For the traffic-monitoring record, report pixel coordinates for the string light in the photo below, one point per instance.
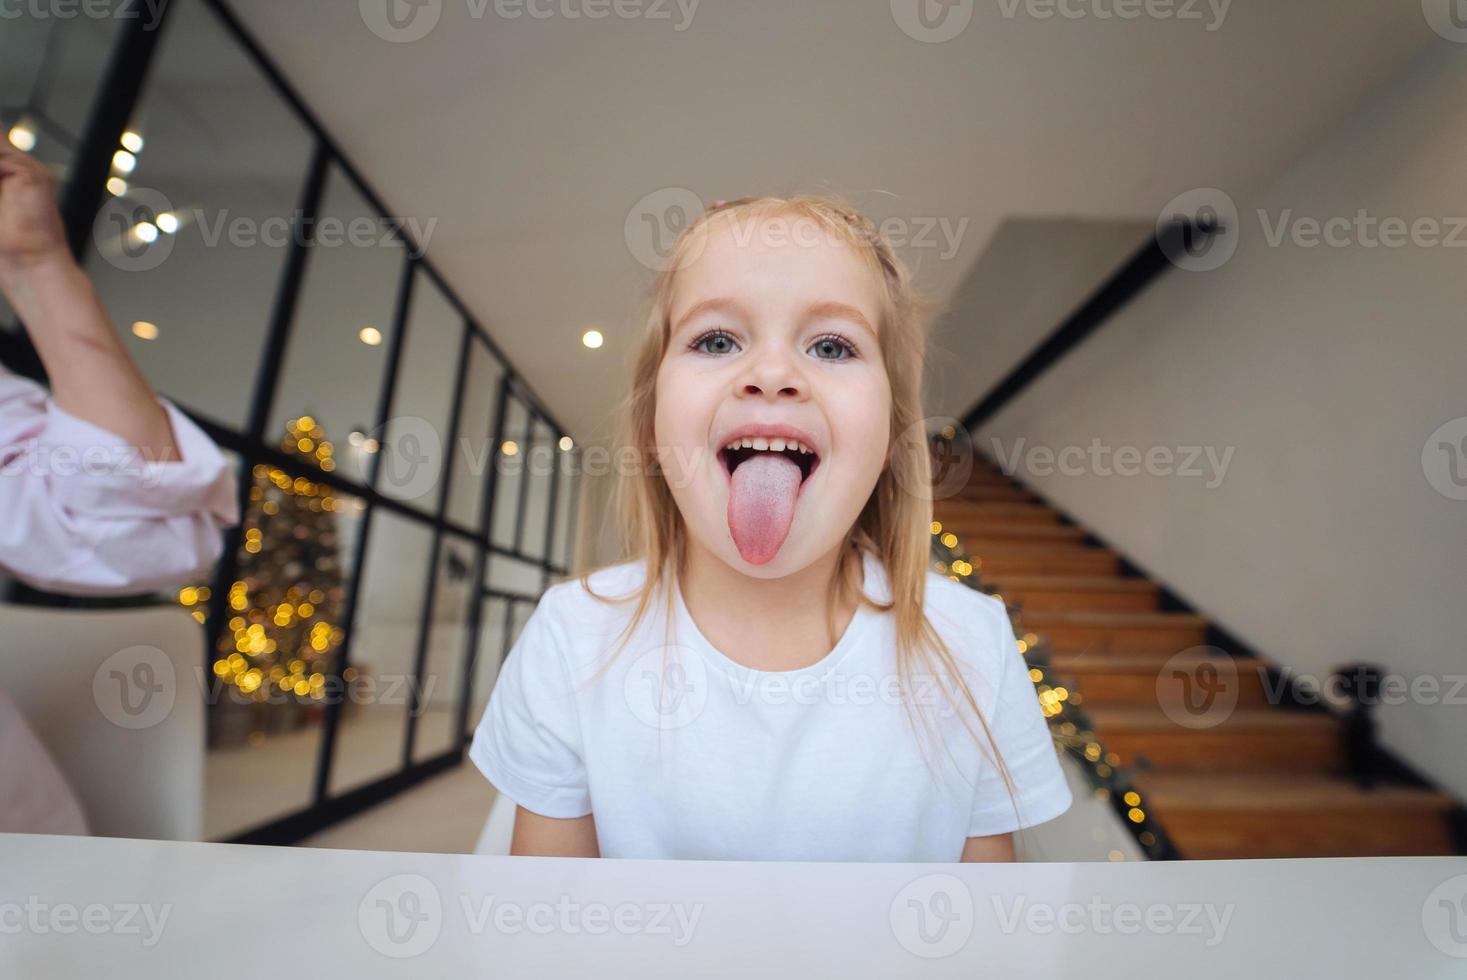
(1060, 706)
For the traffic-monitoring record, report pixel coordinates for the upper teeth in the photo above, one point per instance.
(761, 443)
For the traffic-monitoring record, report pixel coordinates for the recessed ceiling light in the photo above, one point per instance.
(371, 336)
(592, 339)
(145, 330)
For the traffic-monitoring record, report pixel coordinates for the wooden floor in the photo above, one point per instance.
(1226, 771)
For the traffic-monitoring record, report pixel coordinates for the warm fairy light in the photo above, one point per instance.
(370, 445)
(145, 330)
(22, 137)
(124, 161)
(510, 447)
(116, 186)
(566, 444)
(937, 527)
(132, 142)
(592, 339)
(370, 336)
(1132, 798)
(168, 223)
(146, 231)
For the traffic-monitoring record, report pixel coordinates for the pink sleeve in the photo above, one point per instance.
(82, 513)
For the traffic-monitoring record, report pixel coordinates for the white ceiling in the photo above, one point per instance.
(531, 140)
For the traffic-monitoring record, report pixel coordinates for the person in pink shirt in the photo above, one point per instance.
(105, 489)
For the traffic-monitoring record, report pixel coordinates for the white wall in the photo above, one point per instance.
(1327, 369)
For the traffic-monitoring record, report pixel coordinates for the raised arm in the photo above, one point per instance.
(92, 376)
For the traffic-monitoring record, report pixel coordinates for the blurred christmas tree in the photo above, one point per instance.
(276, 653)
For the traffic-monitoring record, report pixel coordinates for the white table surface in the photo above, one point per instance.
(84, 907)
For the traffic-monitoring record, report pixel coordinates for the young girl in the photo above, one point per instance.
(811, 691)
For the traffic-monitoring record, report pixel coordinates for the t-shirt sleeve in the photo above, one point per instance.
(528, 744)
(1021, 734)
(86, 515)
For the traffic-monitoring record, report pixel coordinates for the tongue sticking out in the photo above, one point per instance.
(761, 504)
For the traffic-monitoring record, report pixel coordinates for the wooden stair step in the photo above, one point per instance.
(975, 537)
(1213, 815)
(996, 511)
(1070, 631)
(1247, 738)
(1132, 678)
(1035, 593)
(1010, 557)
(988, 492)
(984, 476)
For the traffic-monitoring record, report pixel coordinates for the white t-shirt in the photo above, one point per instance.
(682, 753)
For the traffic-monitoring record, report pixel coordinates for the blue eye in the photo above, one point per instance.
(726, 343)
(833, 347)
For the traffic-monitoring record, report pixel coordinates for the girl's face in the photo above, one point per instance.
(773, 337)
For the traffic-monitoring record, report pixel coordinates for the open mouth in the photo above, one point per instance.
(741, 451)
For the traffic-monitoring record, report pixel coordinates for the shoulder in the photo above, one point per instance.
(603, 589)
(583, 611)
(967, 605)
(975, 625)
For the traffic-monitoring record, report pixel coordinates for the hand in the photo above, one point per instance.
(31, 233)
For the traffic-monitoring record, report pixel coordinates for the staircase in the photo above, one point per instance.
(1225, 770)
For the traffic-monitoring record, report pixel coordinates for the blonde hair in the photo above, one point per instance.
(895, 523)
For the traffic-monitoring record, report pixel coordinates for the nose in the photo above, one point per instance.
(772, 374)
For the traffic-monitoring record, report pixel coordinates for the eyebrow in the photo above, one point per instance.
(825, 309)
